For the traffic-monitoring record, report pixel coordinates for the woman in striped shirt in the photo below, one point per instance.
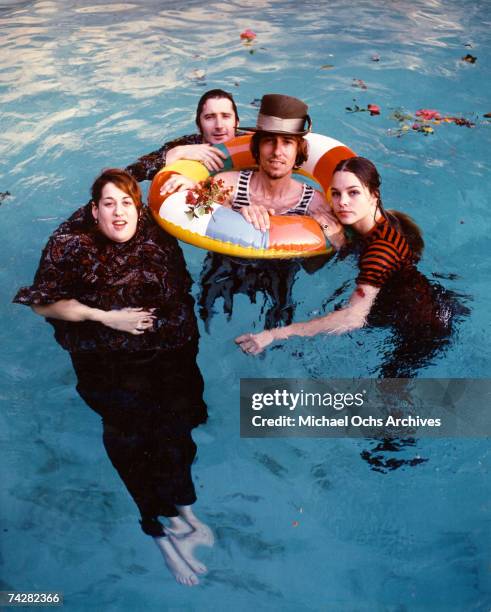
(389, 289)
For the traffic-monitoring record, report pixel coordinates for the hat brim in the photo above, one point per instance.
(285, 132)
(255, 129)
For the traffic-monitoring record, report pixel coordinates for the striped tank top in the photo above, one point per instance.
(242, 197)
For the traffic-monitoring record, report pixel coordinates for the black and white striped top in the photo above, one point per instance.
(242, 197)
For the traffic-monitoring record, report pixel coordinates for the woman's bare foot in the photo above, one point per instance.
(178, 526)
(185, 546)
(203, 534)
(178, 567)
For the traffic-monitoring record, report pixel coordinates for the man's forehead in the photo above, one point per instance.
(217, 105)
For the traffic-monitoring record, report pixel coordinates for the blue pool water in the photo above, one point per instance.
(300, 524)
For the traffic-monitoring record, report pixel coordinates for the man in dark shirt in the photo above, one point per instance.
(217, 120)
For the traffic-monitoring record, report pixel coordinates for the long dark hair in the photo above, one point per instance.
(366, 172)
(215, 93)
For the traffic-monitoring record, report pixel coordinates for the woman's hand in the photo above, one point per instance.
(255, 343)
(131, 320)
(209, 156)
(257, 215)
(134, 321)
(332, 228)
(177, 182)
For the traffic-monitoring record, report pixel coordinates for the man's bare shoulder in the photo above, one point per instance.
(319, 201)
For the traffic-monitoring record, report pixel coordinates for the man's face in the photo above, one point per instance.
(217, 120)
(277, 154)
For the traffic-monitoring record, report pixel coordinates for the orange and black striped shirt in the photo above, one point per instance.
(386, 252)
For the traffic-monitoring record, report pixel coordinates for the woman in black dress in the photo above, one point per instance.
(389, 290)
(116, 290)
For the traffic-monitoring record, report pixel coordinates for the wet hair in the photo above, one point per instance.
(122, 179)
(366, 172)
(215, 93)
(302, 147)
(408, 228)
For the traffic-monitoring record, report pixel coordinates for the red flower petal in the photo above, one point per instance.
(248, 34)
(374, 109)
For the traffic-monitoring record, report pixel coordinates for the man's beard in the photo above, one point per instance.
(277, 174)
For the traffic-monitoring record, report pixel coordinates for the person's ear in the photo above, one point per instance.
(376, 198)
(95, 211)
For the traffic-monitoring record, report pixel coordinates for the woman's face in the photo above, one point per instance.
(116, 214)
(352, 202)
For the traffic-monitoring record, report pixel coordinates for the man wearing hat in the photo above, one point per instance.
(278, 147)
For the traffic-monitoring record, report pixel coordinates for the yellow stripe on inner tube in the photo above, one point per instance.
(194, 170)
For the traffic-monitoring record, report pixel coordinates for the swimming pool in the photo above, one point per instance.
(301, 524)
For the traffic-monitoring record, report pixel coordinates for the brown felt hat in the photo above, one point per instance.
(281, 114)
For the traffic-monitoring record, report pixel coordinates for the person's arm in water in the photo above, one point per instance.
(134, 321)
(352, 316)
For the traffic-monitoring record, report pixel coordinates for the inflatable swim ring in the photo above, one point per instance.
(226, 231)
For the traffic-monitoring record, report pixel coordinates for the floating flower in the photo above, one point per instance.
(462, 121)
(401, 115)
(424, 129)
(359, 83)
(295, 523)
(248, 35)
(373, 109)
(428, 115)
(355, 108)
